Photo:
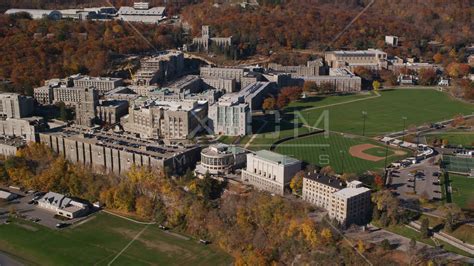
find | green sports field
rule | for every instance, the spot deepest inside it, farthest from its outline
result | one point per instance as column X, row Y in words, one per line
column 454, row 138
column 100, row 240
column 334, row 151
column 385, row 113
column 462, row 190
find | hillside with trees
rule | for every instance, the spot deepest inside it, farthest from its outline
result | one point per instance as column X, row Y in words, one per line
column 256, row 228
column 35, row 50
column 320, row 25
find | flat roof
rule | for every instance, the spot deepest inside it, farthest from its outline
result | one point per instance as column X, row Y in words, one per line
column 350, row 192
column 119, row 141
column 276, row 157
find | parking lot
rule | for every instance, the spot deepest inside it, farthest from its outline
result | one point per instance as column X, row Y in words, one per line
column 421, row 179
column 26, row 210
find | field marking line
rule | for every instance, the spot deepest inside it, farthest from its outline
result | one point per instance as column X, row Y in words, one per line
column 377, row 94
column 255, row 135
column 128, row 245
column 129, row 219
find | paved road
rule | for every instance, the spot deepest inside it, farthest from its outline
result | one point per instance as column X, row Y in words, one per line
column 376, row 235
column 5, row 260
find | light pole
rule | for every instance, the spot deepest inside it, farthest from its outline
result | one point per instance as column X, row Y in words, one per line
column 364, row 115
column 343, row 153
column 385, row 164
column 404, row 126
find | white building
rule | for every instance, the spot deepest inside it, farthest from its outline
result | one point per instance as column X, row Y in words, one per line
column 62, row 205
column 270, row 171
column 5, row 195
column 391, row 40
column 141, row 12
column 220, row 159
column 230, row 116
column 37, row 13
column 351, row 205
column 347, row 203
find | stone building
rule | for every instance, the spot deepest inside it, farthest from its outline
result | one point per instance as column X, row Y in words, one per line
column 206, row 40
column 341, row 84
column 10, row 145
column 270, row 171
column 14, row 105
column 311, row 69
column 86, row 111
column 116, row 153
column 101, row 84
column 110, row 111
column 223, row 84
column 159, row 68
column 44, row 94
column 242, row 77
column 372, row 59
column 168, row 120
column 25, row 128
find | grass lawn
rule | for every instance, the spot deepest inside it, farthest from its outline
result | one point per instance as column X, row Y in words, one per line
column 462, row 190
column 465, row 233
column 379, row 152
column 99, row 240
column 333, row 151
column 456, row 138
column 410, row 233
column 271, row 132
column 385, row 114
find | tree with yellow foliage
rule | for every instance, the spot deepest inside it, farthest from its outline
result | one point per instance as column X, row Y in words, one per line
column 296, row 183
column 376, row 85
column 308, row 229
column 326, row 234
column 360, row 246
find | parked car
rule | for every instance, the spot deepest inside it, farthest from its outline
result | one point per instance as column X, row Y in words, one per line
column 61, row 225
column 204, row 242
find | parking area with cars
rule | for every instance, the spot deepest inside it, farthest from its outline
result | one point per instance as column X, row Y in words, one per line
column 418, row 180
column 26, row 207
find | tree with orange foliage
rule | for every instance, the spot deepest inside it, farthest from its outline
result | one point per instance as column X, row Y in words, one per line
column 378, row 181
column 269, row 103
column 438, row 58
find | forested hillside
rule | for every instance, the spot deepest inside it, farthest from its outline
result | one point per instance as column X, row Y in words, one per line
column 29, row 55
column 34, row 50
column 305, row 24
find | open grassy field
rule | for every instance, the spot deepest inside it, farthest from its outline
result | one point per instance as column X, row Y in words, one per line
column 456, row 138
column 385, row 113
column 462, row 190
column 334, row 151
column 100, row 240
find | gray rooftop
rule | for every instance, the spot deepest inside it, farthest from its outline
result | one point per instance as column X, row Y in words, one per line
column 276, row 157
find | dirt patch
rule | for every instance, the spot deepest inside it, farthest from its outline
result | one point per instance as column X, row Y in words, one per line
column 27, row 227
column 358, row 152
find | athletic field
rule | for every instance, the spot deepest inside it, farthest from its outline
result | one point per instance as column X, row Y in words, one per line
column 348, row 154
column 383, row 114
column 104, row 239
